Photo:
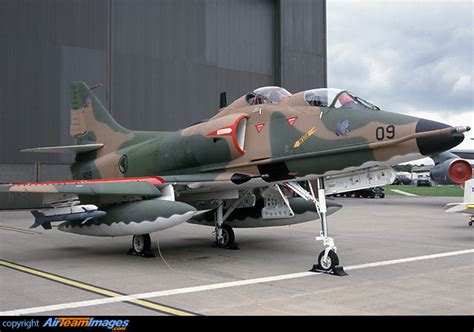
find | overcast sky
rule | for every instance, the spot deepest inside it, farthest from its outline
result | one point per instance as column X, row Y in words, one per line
column 413, row 57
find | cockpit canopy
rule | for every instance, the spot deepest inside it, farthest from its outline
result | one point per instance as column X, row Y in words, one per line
column 267, row 95
column 336, row 98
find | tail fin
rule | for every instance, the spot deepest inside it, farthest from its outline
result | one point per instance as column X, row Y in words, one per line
column 90, row 120
column 40, row 220
column 469, row 191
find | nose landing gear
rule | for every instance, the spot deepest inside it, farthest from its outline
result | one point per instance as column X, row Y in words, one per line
column 328, row 261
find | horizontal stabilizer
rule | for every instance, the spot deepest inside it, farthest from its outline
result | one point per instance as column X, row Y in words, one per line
column 67, row 148
column 467, row 208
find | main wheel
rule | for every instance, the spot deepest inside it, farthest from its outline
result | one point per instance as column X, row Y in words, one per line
column 228, row 236
column 141, row 244
column 330, row 262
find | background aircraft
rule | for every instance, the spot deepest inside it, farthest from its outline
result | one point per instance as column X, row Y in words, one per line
column 251, row 165
column 467, row 206
column 452, row 167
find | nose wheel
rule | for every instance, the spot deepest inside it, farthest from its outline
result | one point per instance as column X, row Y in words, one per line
column 328, row 262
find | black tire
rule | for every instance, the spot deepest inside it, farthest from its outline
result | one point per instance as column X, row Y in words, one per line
column 228, row 236
column 382, row 195
column 141, row 244
column 331, row 262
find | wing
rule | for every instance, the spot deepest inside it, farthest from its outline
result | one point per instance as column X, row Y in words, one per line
column 144, row 186
column 71, row 200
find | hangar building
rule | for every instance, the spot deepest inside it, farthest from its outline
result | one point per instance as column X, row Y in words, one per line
column 162, row 64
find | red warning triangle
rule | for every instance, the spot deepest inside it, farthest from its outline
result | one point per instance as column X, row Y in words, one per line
column 259, row 127
column 292, row 120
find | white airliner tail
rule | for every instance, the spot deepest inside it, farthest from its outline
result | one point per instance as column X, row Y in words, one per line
column 467, row 206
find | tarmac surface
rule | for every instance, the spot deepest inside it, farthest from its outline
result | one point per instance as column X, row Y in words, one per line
column 423, row 264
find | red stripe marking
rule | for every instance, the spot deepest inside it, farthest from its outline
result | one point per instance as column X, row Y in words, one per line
column 155, row 180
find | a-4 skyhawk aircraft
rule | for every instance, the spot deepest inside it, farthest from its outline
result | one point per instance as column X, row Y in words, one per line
column 251, row 165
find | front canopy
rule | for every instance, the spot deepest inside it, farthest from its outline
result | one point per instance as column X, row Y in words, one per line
column 336, row 98
column 267, row 95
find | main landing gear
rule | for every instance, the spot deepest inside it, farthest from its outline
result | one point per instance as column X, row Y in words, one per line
column 141, row 246
column 328, row 261
column 225, row 237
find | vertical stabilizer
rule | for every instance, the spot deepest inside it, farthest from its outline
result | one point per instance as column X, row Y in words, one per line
column 90, row 120
column 469, row 191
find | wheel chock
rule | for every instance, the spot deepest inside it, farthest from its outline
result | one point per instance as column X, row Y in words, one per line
column 146, row 254
column 336, row 270
column 232, row 246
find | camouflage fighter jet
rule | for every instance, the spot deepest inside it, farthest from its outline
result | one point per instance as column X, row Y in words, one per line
column 251, row 165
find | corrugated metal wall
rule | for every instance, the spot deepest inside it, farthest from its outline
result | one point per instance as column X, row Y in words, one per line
column 303, row 44
column 163, row 64
column 171, row 59
column 45, row 44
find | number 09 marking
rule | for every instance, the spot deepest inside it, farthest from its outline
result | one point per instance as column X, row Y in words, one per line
column 381, row 132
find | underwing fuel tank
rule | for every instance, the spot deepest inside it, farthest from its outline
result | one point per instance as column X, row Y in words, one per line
column 252, row 216
column 133, row 218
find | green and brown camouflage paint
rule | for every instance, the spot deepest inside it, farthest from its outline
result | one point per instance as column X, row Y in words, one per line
column 271, row 133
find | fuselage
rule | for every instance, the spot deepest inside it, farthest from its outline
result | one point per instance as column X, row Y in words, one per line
column 303, row 141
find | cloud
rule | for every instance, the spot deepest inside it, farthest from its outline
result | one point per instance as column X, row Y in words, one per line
column 404, row 56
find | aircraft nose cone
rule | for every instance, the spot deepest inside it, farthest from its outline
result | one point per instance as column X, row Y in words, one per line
column 434, row 144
